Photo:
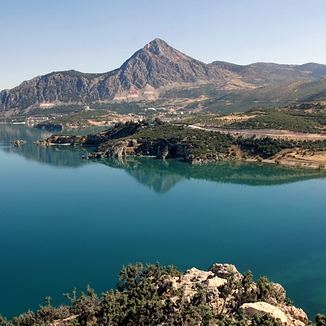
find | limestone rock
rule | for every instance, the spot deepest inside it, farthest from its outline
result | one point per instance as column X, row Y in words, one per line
column 117, row 150
column 194, row 276
column 295, row 313
column 215, row 282
column 222, row 271
column 280, row 289
column 264, row 308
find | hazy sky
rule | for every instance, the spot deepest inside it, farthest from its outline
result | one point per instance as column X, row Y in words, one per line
column 41, row 36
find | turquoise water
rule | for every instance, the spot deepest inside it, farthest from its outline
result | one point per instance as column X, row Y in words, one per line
column 67, row 222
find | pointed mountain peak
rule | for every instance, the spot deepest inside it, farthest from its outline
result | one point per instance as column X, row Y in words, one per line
column 159, row 64
column 159, row 47
column 158, row 41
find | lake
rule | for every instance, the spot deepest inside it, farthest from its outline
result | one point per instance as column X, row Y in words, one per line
column 68, row 222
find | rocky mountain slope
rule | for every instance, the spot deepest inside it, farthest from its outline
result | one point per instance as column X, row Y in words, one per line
column 149, row 73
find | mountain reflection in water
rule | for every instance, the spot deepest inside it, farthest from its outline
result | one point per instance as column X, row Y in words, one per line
column 161, row 176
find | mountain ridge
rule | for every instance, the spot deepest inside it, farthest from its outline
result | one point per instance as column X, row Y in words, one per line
column 145, row 76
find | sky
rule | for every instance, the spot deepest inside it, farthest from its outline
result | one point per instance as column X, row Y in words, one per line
column 94, row 36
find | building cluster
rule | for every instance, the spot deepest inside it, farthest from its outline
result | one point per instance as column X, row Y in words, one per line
column 39, row 119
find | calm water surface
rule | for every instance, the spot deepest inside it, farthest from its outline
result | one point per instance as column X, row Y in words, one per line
column 67, row 222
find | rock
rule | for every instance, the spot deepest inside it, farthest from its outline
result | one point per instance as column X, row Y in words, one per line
column 165, row 154
column 264, row 308
column 117, row 150
column 223, row 270
column 17, row 143
column 295, row 313
column 280, row 289
column 215, row 282
column 162, row 153
column 194, row 276
column 132, row 142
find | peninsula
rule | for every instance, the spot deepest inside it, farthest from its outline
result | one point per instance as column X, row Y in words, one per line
column 164, row 140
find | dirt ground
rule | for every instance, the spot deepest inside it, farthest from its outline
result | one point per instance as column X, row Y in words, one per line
column 261, row 133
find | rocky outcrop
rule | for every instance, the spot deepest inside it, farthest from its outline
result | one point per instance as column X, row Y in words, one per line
column 18, row 142
column 164, row 296
column 159, row 149
column 287, row 315
column 217, row 277
column 223, row 270
column 190, row 280
column 264, row 308
column 117, row 150
column 295, row 314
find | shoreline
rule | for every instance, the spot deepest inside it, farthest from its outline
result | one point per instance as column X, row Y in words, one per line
column 296, row 163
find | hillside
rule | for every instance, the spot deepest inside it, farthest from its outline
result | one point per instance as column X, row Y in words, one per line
column 268, row 96
column 304, row 118
column 157, row 71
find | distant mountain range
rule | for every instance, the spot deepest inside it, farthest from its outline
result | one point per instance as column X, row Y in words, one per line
column 154, row 72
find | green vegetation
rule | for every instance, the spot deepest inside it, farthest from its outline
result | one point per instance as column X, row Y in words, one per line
column 305, row 117
column 81, row 117
column 310, row 118
column 121, row 108
column 209, row 120
column 57, row 109
column 205, row 144
column 133, row 107
column 199, row 143
column 146, row 296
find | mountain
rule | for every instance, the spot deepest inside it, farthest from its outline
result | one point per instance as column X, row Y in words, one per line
column 288, row 73
column 148, row 75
